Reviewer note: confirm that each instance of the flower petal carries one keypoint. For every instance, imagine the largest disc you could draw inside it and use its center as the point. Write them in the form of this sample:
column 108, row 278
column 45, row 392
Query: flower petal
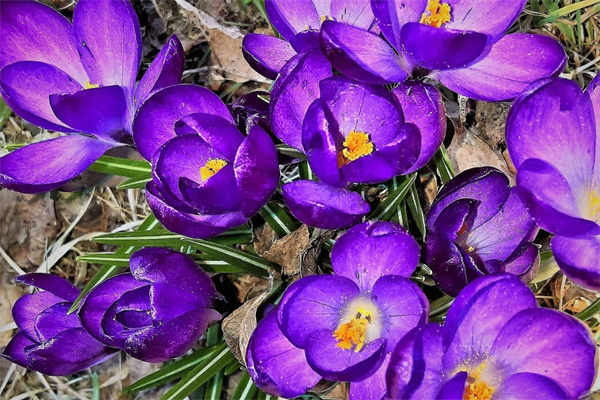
column 513, row 63
column 527, row 386
column 440, row 48
column 51, row 283
column 316, row 302
column 33, row 31
column 579, row 259
column 372, row 250
column 549, row 343
column 266, row 54
column 165, row 70
column 15, row 349
column 256, row 170
column 155, row 120
column 109, row 42
column 290, row 17
column 453, row 388
column 27, row 308
column 275, row 364
column 320, row 205
column 392, row 15
column 54, row 320
column 100, row 111
column 423, row 106
column 372, row 387
column 44, row 166
column 218, row 132
column 26, row 87
column 361, row 55
column 216, row 195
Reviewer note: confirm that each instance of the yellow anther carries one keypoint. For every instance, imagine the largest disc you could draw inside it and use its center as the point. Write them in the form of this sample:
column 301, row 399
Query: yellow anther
column 437, row 14
column 594, row 199
column 478, row 390
column 352, row 333
column 356, row 145
column 325, row 18
column 89, row 85
column 211, row 167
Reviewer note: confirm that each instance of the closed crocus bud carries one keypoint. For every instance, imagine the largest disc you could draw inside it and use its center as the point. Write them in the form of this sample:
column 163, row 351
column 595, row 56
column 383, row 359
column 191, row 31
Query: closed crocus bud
column 50, row 340
column 155, row 313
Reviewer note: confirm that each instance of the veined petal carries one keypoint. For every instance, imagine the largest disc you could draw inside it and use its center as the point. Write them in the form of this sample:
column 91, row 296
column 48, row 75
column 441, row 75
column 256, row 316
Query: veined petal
column 266, row 54
column 51, row 283
column 579, row 259
column 290, row 17
column 392, row 15
column 526, row 386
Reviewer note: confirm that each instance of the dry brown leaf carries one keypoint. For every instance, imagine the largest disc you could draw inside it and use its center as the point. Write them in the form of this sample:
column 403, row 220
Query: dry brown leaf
column 490, row 121
column 288, row 250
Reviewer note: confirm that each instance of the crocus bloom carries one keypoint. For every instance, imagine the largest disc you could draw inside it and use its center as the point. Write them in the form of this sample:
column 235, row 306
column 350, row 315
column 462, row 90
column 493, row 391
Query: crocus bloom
column 77, row 78
column 207, row 176
column 552, row 134
column 155, row 313
column 342, row 326
column 461, row 43
column 478, row 225
column 495, row 344
column 355, row 133
column 50, row 340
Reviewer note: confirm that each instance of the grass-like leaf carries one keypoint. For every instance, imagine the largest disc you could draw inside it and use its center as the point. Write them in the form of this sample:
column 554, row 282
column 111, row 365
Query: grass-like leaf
column 245, row 389
column 121, row 167
column 278, row 219
column 442, row 162
column 136, row 182
column 414, row 205
column 400, row 188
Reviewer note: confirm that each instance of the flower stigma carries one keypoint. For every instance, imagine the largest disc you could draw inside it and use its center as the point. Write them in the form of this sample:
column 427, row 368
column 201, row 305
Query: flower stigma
column 353, row 332
column 356, row 145
column 89, row 85
column 477, row 388
column 437, row 14
column 212, row 166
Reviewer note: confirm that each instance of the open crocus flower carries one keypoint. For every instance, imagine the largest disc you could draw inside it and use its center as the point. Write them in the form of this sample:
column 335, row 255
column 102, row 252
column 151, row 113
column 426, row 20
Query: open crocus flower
column 77, row 78
column 50, row 340
column 342, row 327
column 552, row 134
column 207, row 176
column 355, row 133
column 478, row 225
column 461, row 43
column 155, row 313
column 495, row 344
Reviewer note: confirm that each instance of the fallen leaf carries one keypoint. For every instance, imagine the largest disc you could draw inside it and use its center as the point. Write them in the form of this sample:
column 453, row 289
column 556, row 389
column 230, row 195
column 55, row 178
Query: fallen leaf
column 288, row 250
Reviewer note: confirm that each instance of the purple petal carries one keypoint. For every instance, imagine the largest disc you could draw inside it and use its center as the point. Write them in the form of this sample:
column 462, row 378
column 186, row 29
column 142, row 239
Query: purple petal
column 579, row 259
column 130, row 312
column 416, row 370
column 394, row 14
column 51, row 283
column 54, row 320
column 527, row 386
column 316, row 302
column 165, row 70
column 551, row 201
column 256, row 170
column 305, row 41
column 423, row 106
column 292, row 16
column 466, row 335
column 207, row 197
column 169, row 302
column 109, row 42
column 27, row 308
column 155, row 120
column 361, row 55
column 402, row 306
column 336, row 364
column 513, row 63
column 218, row 132
column 356, row 13
column 293, row 92
column 320, row 205
column 454, row 388
column 372, row 387
column 100, row 111
column 44, row 166
column 15, row 350
column 371, row 250
column 456, row 217
column 170, row 339
column 191, row 225
column 524, row 262
column 276, row 365
column 439, row 48
column 26, row 87
column 67, row 353
column 32, row 31
column 266, row 54
column 483, row 17
column 549, row 343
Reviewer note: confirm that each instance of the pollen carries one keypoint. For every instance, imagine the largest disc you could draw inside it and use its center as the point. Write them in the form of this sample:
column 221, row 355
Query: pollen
column 594, row 203
column 211, row 168
column 356, row 145
column 353, row 333
column 89, row 85
column 478, row 390
column 437, row 14
column 326, row 18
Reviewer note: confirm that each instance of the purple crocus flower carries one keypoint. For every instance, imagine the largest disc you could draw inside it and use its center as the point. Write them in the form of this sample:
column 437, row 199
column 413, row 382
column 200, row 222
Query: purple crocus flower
column 478, row 225
column 155, row 313
column 355, row 133
column 552, row 134
column 342, row 326
column 461, row 43
column 77, row 78
column 50, row 340
column 207, row 176
column 495, row 344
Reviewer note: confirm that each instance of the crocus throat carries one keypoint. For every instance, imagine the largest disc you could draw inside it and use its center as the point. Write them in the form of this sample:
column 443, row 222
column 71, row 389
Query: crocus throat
column 594, row 203
column 211, row 168
column 477, row 388
column 89, row 85
column 354, row 332
column 437, row 14
column 356, row 145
